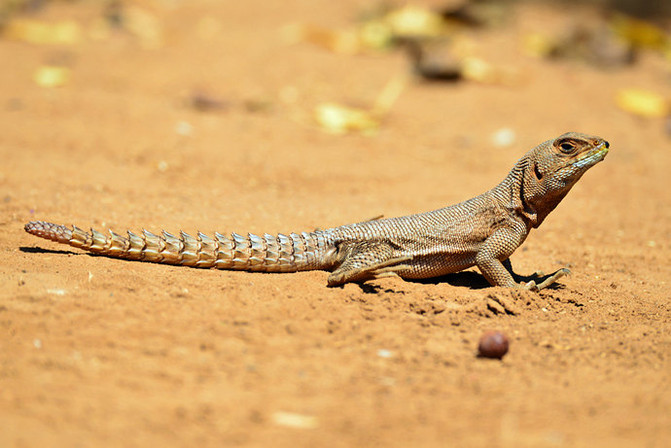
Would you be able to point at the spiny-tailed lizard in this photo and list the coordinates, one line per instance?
(483, 231)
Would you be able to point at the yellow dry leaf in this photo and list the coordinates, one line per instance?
(538, 45)
(643, 103)
(339, 119)
(66, 32)
(51, 76)
(477, 69)
(640, 33)
(415, 21)
(376, 34)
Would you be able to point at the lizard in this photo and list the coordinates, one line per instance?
(483, 231)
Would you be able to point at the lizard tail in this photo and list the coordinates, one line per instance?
(267, 253)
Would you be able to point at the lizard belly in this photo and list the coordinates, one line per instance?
(435, 265)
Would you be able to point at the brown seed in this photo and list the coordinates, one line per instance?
(493, 344)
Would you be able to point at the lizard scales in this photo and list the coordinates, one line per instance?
(483, 231)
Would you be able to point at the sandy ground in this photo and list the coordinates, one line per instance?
(103, 352)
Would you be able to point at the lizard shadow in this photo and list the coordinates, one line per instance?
(474, 280)
(464, 279)
(39, 250)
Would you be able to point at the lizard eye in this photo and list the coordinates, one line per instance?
(567, 147)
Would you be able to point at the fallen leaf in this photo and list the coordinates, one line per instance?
(65, 32)
(644, 103)
(640, 33)
(415, 21)
(51, 76)
(339, 119)
(538, 45)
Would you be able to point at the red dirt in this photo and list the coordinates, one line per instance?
(102, 352)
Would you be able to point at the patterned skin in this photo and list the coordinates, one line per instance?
(483, 231)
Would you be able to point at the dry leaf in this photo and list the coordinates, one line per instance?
(339, 119)
(538, 45)
(640, 33)
(643, 103)
(376, 34)
(414, 21)
(51, 76)
(65, 32)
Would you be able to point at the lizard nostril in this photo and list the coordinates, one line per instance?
(607, 144)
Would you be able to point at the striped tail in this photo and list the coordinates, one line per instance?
(269, 253)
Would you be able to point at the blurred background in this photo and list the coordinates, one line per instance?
(261, 116)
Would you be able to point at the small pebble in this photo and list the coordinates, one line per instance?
(493, 344)
(383, 353)
(504, 137)
(205, 102)
(294, 420)
(184, 128)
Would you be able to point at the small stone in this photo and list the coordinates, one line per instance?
(184, 128)
(294, 420)
(504, 137)
(205, 102)
(56, 292)
(493, 344)
(384, 353)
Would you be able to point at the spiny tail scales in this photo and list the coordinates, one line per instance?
(269, 253)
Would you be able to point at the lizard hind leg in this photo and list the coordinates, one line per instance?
(366, 261)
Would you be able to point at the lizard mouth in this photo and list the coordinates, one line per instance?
(594, 155)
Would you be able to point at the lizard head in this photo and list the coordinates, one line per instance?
(553, 167)
(559, 163)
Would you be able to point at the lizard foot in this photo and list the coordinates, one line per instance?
(382, 269)
(550, 279)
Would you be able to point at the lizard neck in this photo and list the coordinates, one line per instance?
(524, 196)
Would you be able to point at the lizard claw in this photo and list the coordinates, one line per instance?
(550, 279)
(531, 286)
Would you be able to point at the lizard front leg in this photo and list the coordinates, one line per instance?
(492, 260)
(494, 270)
(494, 252)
